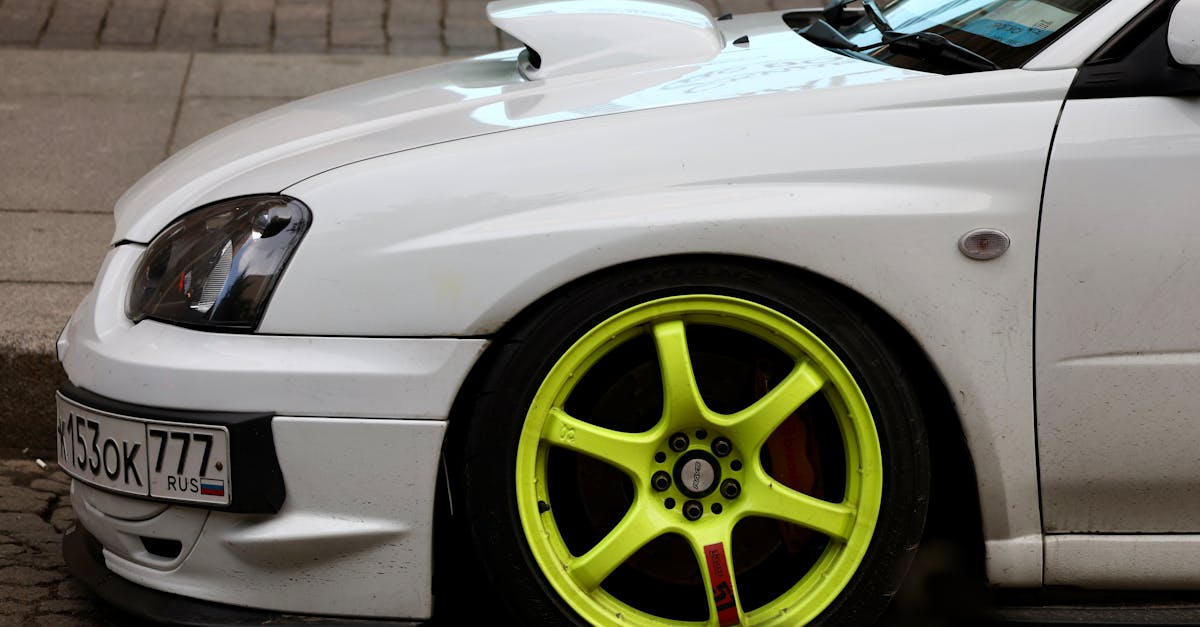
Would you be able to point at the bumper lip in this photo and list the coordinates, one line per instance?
(85, 561)
(254, 465)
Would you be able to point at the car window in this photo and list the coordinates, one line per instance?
(1007, 32)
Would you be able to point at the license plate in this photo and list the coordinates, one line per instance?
(151, 458)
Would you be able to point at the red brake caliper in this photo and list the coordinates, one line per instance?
(722, 584)
(794, 459)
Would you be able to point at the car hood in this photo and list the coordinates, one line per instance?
(749, 55)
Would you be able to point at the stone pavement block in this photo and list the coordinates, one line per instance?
(744, 6)
(23, 575)
(77, 73)
(62, 620)
(201, 116)
(132, 23)
(53, 487)
(74, 24)
(414, 27)
(21, 499)
(32, 315)
(287, 77)
(24, 594)
(62, 519)
(53, 246)
(301, 45)
(21, 21)
(467, 29)
(188, 25)
(357, 25)
(78, 153)
(301, 26)
(245, 24)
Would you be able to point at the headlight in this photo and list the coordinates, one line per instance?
(215, 267)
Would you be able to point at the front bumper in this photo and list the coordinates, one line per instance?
(356, 424)
(85, 561)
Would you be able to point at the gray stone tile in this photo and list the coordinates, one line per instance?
(21, 21)
(31, 316)
(358, 25)
(132, 23)
(77, 73)
(414, 27)
(245, 24)
(74, 24)
(289, 77)
(467, 29)
(77, 153)
(301, 45)
(296, 19)
(201, 116)
(53, 246)
(188, 25)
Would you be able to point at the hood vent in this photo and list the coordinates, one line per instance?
(576, 36)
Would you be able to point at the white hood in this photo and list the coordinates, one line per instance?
(278, 148)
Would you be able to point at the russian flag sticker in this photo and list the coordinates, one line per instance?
(212, 487)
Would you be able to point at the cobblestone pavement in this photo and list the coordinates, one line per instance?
(422, 27)
(35, 588)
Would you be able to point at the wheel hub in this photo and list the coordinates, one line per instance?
(697, 474)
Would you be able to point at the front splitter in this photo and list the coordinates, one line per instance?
(85, 561)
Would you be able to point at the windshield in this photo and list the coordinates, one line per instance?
(1006, 32)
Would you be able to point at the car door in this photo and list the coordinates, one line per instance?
(1117, 323)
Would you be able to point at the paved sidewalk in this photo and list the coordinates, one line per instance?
(398, 27)
(34, 586)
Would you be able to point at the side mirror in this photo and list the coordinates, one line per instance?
(1183, 33)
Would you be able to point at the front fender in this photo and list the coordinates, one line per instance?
(456, 239)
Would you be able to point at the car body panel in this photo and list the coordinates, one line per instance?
(1118, 353)
(875, 214)
(365, 530)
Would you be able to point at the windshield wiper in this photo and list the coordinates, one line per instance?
(924, 45)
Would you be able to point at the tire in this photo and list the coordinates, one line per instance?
(763, 404)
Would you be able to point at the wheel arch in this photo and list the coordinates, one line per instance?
(951, 517)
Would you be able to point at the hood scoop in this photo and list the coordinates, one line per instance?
(575, 36)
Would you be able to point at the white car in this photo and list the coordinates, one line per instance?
(664, 319)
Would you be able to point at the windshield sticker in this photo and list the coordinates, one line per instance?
(1018, 24)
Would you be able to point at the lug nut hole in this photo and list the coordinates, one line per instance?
(678, 442)
(701, 434)
(735, 465)
(670, 503)
(693, 510)
(716, 508)
(722, 447)
(660, 481)
(660, 457)
(730, 489)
